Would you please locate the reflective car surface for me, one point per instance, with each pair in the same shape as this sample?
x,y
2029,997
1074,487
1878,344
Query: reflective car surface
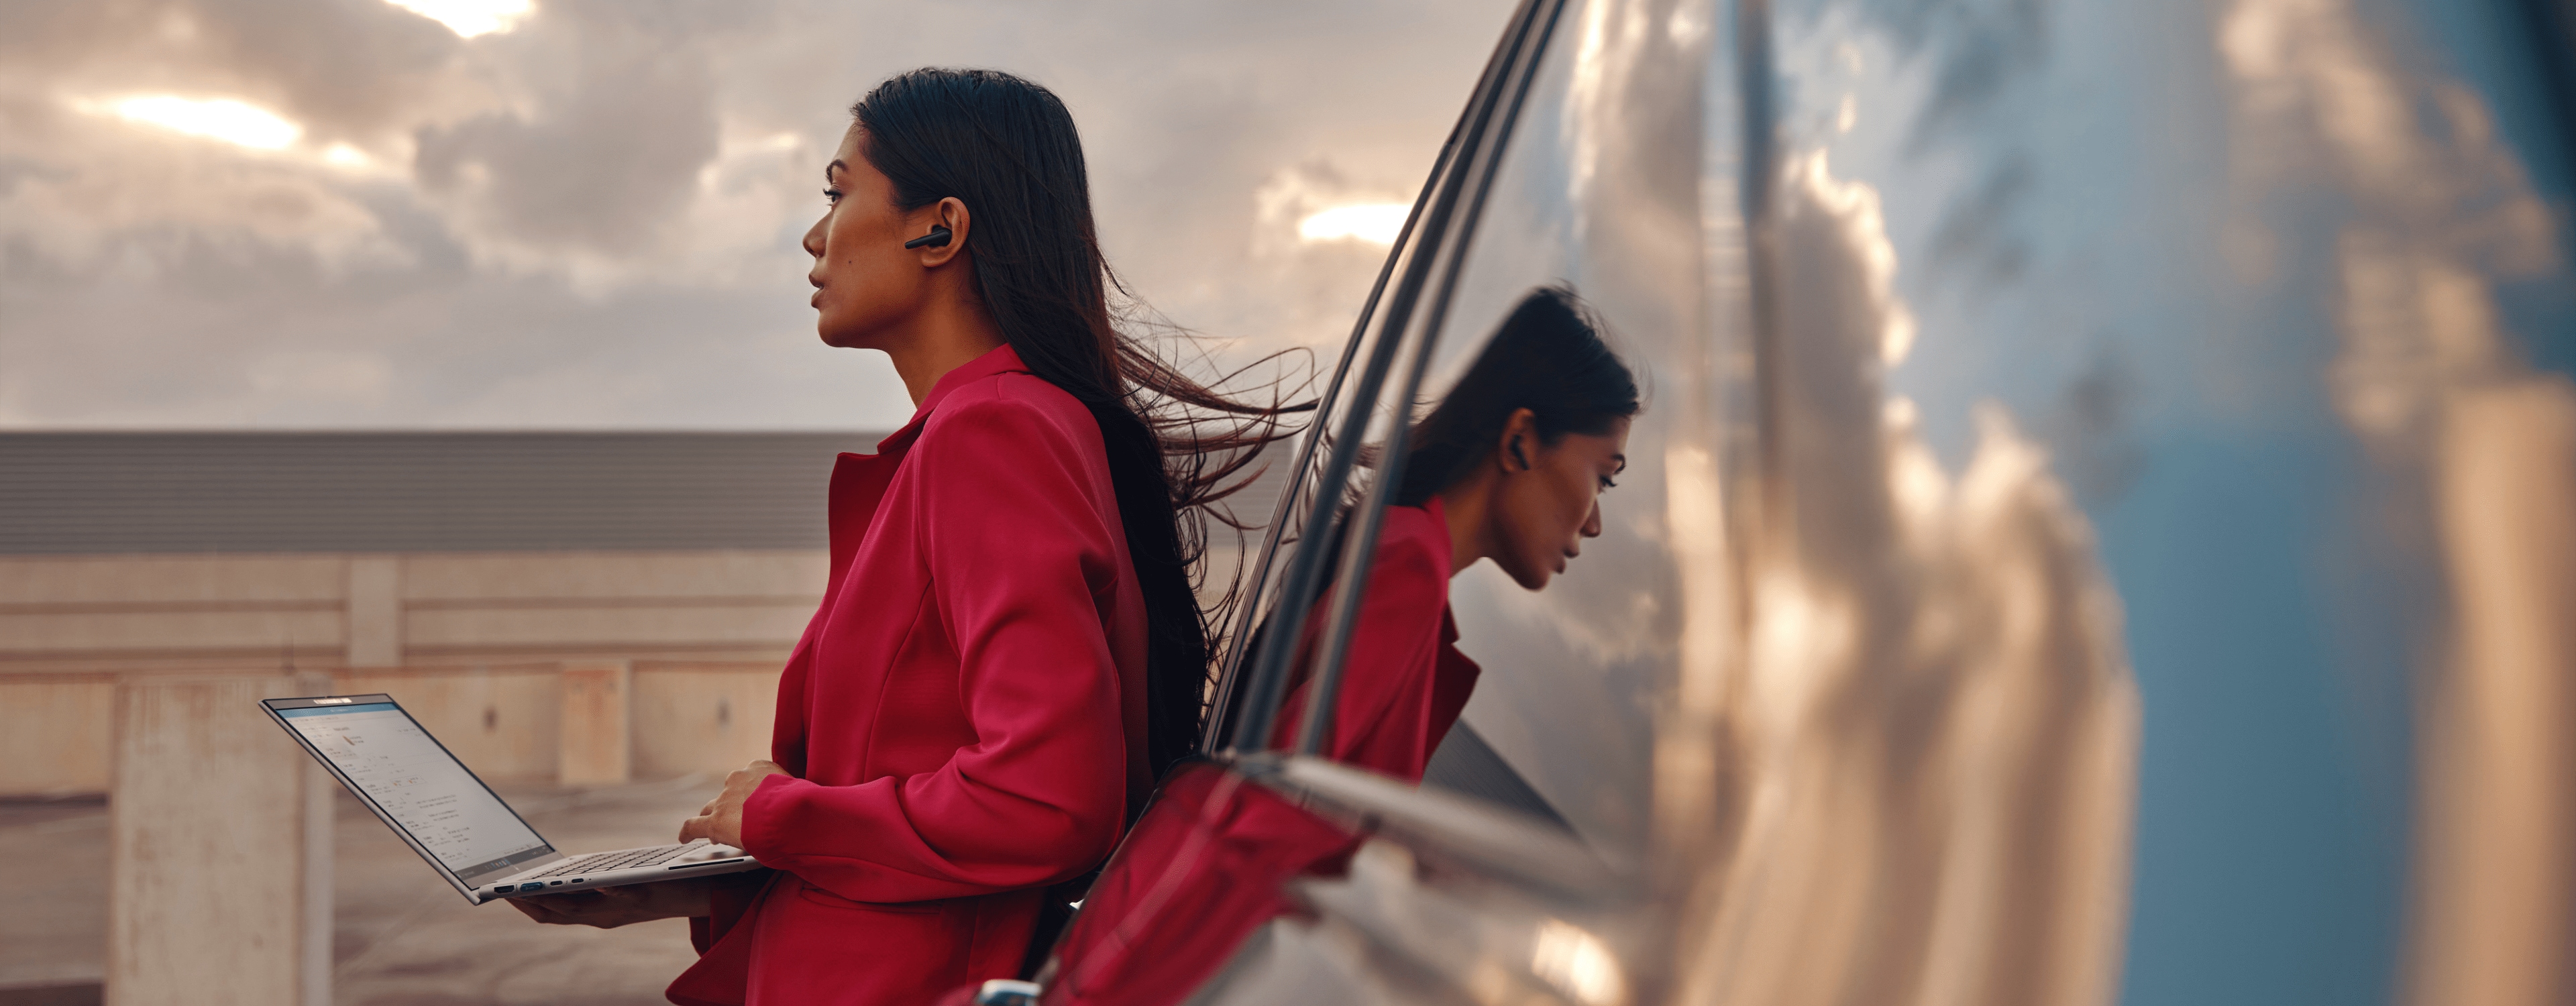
x,y
2102,527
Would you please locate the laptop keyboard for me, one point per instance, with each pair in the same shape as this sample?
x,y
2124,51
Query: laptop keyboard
x,y
601,862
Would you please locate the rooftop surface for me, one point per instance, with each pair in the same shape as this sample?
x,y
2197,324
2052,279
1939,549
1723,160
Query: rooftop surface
x,y
179,492
414,491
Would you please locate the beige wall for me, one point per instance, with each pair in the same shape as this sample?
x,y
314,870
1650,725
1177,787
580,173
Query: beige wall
x,y
501,721
702,717
471,643
57,734
122,613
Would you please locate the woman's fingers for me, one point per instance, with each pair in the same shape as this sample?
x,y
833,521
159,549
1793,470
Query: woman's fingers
x,y
727,806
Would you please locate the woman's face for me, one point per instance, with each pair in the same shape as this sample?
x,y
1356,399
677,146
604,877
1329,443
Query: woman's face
x,y
1542,513
866,283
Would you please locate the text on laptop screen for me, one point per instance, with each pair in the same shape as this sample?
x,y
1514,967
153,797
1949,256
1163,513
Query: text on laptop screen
x,y
418,784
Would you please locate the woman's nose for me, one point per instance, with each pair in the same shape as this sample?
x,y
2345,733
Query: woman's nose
x,y
1592,522
814,237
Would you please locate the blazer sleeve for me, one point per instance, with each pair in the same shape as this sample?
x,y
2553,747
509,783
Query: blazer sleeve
x,y
1023,554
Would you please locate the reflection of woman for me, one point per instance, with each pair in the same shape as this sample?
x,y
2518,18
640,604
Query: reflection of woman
x,y
1507,468
1008,651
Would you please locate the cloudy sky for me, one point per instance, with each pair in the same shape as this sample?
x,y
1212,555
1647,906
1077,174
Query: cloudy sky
x,y
585,213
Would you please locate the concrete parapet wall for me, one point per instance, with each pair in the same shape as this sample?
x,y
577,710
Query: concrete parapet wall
x,y
194,613
509,723
702,717
59,734
503,722
472,643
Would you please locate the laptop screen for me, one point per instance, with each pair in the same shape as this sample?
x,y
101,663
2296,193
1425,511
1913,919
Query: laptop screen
x,y
416,782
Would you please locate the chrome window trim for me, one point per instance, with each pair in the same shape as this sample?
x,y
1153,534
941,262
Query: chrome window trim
x,y
1213,732
1449,827
1361,547
1269,675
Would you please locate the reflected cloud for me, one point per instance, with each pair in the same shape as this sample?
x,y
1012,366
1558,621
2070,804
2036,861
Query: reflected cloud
x,y
1578,962
2435,212
1856,204
1932,726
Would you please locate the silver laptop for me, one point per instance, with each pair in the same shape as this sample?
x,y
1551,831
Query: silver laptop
x,y
465,831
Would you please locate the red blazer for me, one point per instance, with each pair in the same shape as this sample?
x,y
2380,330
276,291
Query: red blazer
x,y
963,723
1206,865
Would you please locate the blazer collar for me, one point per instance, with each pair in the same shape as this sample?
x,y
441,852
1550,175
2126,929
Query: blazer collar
x,y
1002,360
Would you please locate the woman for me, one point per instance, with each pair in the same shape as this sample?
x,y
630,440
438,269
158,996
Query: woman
x,y
1508,468
1008,651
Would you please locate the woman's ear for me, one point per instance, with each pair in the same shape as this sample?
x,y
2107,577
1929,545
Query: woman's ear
x,y
950,213
1519,440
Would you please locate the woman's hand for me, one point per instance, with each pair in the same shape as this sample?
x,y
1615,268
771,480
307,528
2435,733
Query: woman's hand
x,y
721,819
611,907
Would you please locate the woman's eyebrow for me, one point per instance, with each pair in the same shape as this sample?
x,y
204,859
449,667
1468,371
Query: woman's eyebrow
x,y
836,165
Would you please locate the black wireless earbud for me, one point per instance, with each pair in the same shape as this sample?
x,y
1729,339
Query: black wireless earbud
x,y
937,238
1518,456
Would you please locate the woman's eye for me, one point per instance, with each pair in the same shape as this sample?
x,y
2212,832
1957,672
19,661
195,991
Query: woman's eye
x,y
1606,484
831,195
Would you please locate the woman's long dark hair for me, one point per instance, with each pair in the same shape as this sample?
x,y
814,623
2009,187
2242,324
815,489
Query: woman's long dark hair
x,y
1007,149
1548,357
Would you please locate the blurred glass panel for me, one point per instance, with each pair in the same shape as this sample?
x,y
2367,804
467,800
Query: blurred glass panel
x,y
1335,460
1597,193
2251,288
2105,515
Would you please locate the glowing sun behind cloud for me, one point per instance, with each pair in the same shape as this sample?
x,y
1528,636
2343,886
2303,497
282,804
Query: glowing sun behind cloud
x,y
1375,223
469,18
216,118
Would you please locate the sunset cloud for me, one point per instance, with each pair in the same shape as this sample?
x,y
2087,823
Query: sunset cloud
x,y
586,213
225,119
1375,223
471,18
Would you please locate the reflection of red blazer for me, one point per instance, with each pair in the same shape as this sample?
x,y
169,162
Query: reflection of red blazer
x,y
1404,681
963,722
1206,865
